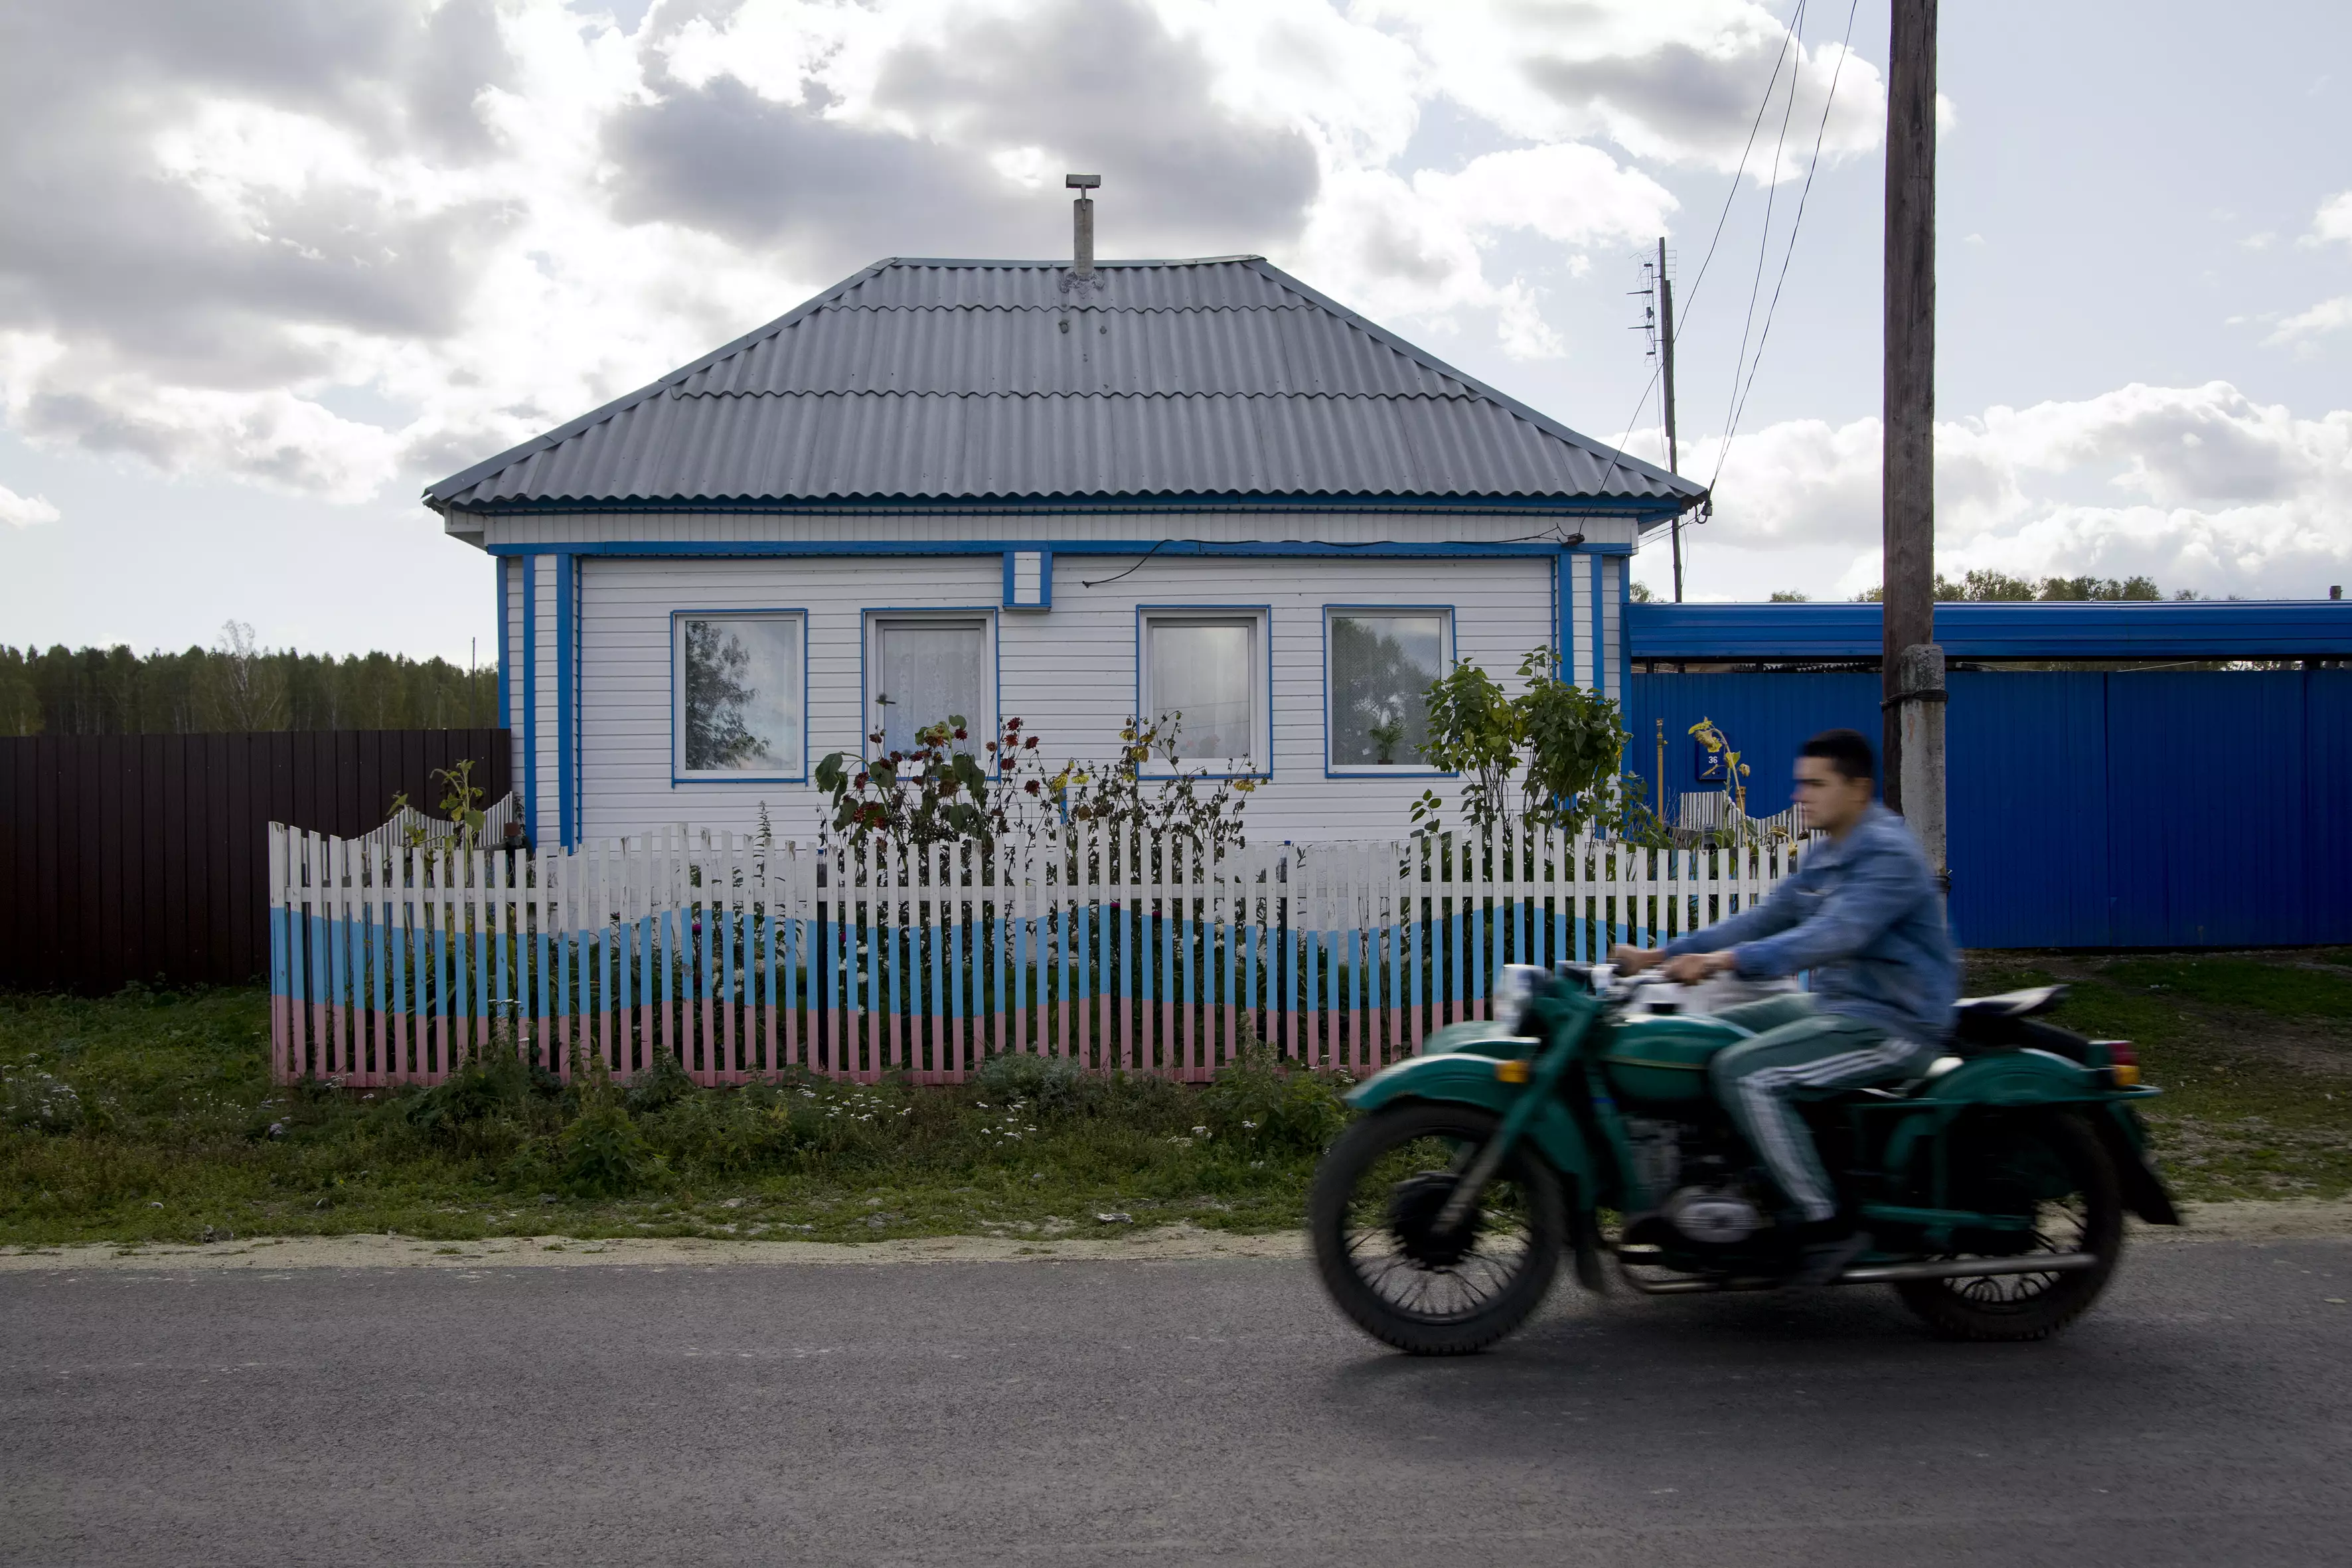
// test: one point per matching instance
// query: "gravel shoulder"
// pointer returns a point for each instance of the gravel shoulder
(2240, 1220)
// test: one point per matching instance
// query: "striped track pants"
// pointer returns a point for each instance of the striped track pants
(1795, 1048)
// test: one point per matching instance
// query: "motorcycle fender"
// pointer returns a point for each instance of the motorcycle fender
(1463, 1079)
(2126, 1141)
(2013, 1077)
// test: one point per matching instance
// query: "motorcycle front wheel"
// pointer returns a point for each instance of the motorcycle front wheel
(1389, 1264)
(2048, 1168)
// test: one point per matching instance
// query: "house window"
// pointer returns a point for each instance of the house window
(924, 668)
(1204, 674)
(1380, 663)
(742, 694)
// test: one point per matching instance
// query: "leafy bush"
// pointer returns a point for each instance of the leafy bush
(39, 1102)
(1049, 1083)
(493, 1101)
(602, 1155)
(663, 1084)
(1260, 1100)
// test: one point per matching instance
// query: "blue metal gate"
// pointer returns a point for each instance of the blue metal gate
(2163, 808)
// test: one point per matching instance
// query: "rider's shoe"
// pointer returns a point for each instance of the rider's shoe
(1826, 1250)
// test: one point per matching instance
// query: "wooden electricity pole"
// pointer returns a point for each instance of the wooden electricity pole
(1913, 666)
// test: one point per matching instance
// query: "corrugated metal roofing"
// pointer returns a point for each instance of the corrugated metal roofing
(1013, 381)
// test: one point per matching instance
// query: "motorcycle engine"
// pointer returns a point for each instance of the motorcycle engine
(1717, 1217)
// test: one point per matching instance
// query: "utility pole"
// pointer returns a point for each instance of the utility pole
(1666, 367)
(1914, 664)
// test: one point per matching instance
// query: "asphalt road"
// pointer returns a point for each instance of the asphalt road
(1160, 1413)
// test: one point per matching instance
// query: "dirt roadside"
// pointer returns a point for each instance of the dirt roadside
(2238, 1221)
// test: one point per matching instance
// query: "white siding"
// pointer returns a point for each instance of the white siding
(1578, 570)
(1069, 672)
(554, 529)
(1612, 628)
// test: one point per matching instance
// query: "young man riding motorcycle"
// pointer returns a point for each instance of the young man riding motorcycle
(1863, 914)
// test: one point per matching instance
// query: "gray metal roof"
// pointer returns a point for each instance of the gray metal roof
(1013, 381)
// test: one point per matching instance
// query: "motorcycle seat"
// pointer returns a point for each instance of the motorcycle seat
(2010, 1004)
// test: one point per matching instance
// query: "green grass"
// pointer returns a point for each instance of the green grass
(2253, 1052)
(167, 1125)
(150, 1117)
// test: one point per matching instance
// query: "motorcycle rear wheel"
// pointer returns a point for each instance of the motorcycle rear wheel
(2087, 1216)
(1371, 1214)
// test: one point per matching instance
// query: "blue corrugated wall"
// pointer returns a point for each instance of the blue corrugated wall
(2164, 808)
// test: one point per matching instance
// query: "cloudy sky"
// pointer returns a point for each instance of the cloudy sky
(266, 266)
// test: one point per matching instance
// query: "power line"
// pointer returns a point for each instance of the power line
(1797, 222)
(1730, 195)
(1764, 238)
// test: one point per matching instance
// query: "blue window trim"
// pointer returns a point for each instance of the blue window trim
(1045, 577)
(935, 612)
(676, 715)
(1265, 657)
(530, 697)
(566, 687)
(1453, 658)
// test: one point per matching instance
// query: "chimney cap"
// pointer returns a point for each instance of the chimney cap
(1080, 182)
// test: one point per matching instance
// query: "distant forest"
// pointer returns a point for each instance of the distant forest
(234, 685)
(1979, 587)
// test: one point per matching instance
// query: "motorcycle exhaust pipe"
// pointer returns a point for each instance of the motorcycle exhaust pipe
(1880, 1274)
(1972, 1268)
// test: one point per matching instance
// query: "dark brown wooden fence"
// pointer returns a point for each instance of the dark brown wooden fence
(143, 856)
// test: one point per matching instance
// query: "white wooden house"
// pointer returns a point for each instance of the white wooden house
(1065, 492)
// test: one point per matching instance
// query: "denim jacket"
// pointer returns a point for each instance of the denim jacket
(1864, 915)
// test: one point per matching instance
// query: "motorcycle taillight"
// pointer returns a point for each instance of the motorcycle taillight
(2122, 1062)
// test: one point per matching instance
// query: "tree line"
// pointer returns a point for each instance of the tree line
(1987, 587)
(234, 685)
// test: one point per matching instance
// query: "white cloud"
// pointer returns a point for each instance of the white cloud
(2333, 220)
(25, 511)
(2210, 491)
(1676, 80)
(2327, 316)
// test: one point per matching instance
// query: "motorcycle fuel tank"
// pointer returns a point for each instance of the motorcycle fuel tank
(1663, 1059)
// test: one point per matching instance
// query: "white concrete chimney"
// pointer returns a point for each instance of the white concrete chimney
(1082, 223)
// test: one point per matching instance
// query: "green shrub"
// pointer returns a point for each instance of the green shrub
(491, 1103)
(1260, 1100)
(1050, 1084)
(663, 1084)
(38, 1101)
(602, 1155)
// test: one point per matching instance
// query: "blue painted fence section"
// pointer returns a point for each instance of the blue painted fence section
(2160, 809)
(393, 965)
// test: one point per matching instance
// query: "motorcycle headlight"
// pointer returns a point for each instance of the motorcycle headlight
(1513, 991)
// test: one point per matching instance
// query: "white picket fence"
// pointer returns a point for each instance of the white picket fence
(389, 964)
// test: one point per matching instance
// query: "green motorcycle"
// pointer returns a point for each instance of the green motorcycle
(1994, 1187)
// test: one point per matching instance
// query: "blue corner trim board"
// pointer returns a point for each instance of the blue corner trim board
(530, 697)
(2276, 628)
(565, 723)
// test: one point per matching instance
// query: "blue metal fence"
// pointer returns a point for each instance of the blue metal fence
(2163, 808)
